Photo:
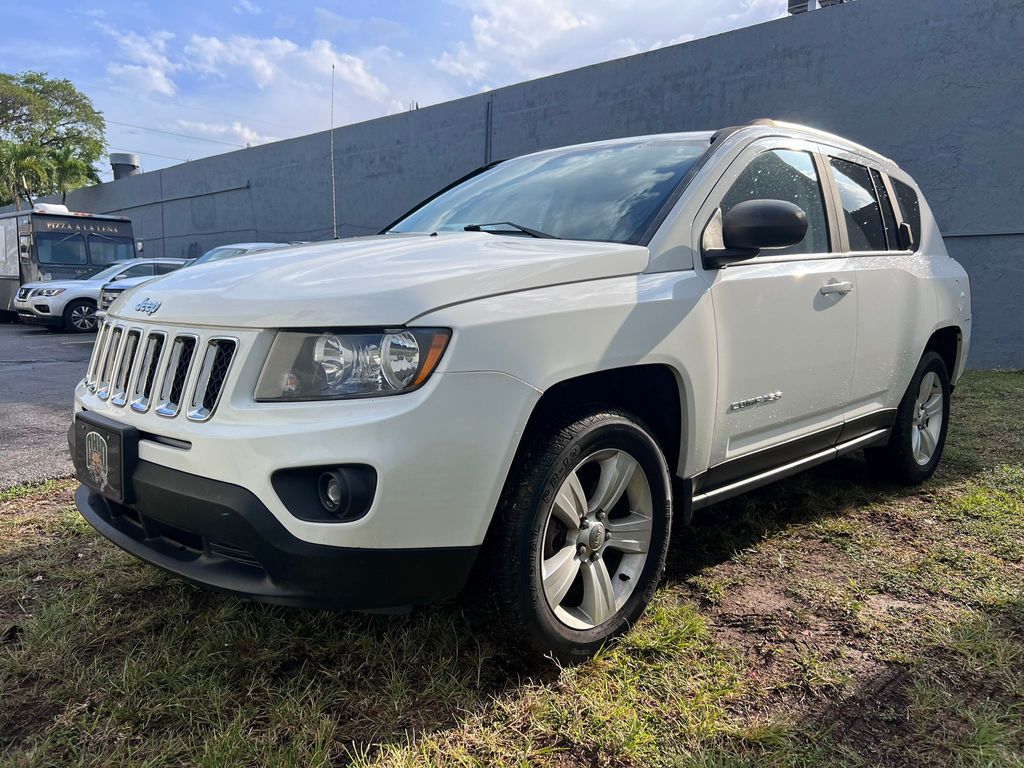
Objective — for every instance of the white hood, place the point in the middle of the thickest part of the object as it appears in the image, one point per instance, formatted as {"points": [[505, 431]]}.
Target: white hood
{"points": [[373, 281]]}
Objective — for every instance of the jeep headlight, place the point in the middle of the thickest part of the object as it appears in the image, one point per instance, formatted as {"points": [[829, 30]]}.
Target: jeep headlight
{"points": [[328, 365], [48, 291]]}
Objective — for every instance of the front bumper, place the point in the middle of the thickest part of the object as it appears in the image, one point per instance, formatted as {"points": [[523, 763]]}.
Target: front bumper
{"points": [[220, 536], [30, 311]]}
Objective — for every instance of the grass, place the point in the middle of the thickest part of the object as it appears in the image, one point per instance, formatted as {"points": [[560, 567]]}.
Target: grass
{"points": [[828, 620]]}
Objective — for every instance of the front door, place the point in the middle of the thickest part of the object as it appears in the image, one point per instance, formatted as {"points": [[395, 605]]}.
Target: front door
{"points": [[786, 324]]}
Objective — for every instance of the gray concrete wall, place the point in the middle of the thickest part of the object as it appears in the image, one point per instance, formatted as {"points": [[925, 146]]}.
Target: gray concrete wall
{"points": [[938, 85]]}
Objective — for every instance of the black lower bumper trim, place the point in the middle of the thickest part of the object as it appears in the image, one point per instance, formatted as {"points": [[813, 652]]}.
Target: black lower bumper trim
{"points": [[222, 537]]}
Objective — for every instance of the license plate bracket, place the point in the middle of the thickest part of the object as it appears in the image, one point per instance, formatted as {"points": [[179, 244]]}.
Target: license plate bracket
{"points": [[105, 455]]}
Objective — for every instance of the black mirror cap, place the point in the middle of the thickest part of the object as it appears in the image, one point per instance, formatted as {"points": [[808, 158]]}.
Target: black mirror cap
{"points": [[757, 224]]}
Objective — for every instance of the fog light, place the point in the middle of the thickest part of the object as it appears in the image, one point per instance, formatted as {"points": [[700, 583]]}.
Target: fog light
{"points": [[334, 491], [331, 494]]}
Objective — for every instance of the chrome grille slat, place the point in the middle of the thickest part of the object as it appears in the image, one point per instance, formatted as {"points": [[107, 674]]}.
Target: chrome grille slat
{"points": [[97, 355], [110, 359], [149, 364], [179, 366], [213, 373], [125, 366]]}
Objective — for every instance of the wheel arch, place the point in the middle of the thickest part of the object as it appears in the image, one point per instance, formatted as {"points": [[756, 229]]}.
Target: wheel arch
{"points": [[655, 392], [948, 342]]}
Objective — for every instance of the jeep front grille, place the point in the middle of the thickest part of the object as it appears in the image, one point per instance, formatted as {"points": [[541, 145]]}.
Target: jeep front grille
{"points": [[177, 371]]}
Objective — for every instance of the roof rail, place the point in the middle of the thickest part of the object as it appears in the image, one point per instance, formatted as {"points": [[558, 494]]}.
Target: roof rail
{"points": [[773, 123]]}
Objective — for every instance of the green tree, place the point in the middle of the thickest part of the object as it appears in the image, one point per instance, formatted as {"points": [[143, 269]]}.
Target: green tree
{"points": [[24, 170], [50, 130], [69, 171]]}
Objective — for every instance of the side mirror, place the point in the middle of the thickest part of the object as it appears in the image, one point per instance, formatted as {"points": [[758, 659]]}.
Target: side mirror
{"points": [[749, 227], [139, 246]]}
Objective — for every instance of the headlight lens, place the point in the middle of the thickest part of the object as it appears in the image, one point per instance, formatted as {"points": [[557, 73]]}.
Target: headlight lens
{"points": [[49, 291], [328, 365]]}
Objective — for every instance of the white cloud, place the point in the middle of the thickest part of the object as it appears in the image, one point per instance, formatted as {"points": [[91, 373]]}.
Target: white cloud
{"points": [[234, 131], [511, 40], [148, 67], [247, 6], [260, 57], [268, 60]]}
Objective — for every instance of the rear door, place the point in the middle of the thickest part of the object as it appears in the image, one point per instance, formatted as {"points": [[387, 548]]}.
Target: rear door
{"points": [[891, 301], [786, 321]]}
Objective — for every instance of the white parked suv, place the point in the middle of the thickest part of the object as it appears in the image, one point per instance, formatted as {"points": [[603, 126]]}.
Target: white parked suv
{"points": [[527, 379]]}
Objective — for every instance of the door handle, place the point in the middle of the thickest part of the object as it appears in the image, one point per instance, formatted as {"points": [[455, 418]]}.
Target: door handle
{"points": [[835, 287]]}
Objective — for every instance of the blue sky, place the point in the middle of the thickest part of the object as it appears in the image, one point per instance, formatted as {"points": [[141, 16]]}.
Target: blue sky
{"points": [[225, 74]]}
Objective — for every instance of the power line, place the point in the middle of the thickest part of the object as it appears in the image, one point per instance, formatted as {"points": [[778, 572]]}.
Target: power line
{"points": [[179, 135], [172, 103]]}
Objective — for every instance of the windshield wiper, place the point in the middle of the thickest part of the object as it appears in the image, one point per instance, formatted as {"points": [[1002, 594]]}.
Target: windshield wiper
{"points": [[513, 225]]}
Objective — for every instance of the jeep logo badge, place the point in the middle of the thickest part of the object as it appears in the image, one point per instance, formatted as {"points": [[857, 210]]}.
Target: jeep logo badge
{"points": [[148, 305]]}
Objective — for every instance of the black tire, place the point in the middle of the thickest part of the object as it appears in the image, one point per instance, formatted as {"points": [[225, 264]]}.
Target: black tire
{"points": [[897, 461], [74, 312], [517, 543]]}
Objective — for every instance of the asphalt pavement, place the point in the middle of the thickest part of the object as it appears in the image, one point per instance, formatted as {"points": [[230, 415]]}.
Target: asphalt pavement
{"points": [[38, 373]]}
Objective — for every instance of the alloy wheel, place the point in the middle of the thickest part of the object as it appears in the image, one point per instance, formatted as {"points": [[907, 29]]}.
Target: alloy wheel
{"points": [[83, 317], [927, 419], [596, 539]]}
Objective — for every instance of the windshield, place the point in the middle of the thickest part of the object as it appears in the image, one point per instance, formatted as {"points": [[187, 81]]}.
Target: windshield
{"points": [[219, 253], [107, 250], [101, 272], [609, 193]]}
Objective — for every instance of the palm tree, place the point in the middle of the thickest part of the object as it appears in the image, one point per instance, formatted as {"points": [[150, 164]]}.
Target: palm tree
{"points": [[27, 168], [68, 171], [8, 176]]}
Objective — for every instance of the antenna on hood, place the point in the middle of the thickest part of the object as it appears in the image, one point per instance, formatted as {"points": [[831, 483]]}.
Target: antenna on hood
{"points": [[334, 185]]}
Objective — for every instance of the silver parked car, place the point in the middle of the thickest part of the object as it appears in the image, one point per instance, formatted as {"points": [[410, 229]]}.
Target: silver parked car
{"points": [[113, 290], [71, 303]]}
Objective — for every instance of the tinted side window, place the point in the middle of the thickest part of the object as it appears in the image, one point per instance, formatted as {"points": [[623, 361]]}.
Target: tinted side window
{"points": [[783, 174], [59, 248], [139, 270], [163, 269], [910, 207], [863, 215]]}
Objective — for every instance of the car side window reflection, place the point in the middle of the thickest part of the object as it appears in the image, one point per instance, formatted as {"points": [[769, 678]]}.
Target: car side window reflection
{"points": [[790, 175]]}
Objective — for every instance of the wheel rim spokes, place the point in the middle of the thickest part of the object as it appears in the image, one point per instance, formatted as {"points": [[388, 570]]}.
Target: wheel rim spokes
{"points": [[81, 317], [570, 505], [616, 472], [559, 572], [599, 599], [603, 507], [630, 534], [927, 419]]}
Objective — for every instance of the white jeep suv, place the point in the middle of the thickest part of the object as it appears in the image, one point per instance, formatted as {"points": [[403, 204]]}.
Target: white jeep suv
{"points": [[526, 379]]}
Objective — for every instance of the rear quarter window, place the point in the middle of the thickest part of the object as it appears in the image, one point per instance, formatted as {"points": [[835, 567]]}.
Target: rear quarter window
{"points": [[910, 206]]}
